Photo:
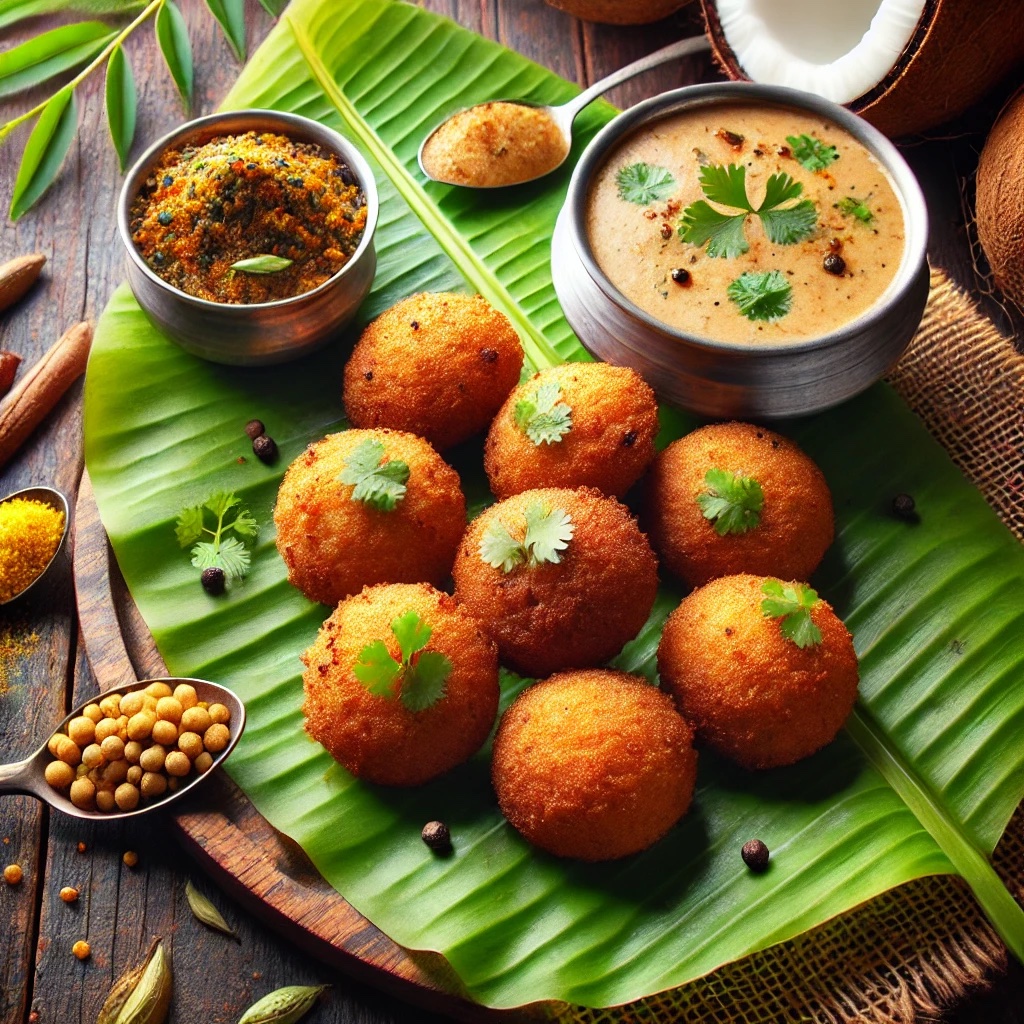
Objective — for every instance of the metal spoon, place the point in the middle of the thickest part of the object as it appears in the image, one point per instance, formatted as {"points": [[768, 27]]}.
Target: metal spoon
{"points": [[27, 776], [564, 115], [56, 500]]}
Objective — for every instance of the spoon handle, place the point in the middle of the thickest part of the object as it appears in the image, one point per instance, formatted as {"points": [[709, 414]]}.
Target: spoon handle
{"points": [[17, 777], [681, 48]]}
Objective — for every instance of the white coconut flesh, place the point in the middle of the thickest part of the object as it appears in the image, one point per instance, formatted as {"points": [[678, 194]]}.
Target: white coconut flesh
{"points": [[839, 49]]}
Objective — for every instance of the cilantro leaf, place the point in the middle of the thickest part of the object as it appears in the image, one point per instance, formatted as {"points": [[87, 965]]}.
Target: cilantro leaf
{"points": [[850, 206], [789, 225], [722, 231], [547, 532], [732, 502], [411, 633], [244, 525], [792, 603], [542, 417], [763, 295], [189, 526], [812, 153], [230, 555], [380, 485], [376, 669], [424, 685], [726, 185], [780, 188], [219, 503], [644, 184]]}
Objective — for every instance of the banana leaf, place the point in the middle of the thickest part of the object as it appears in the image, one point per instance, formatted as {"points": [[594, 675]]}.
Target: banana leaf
{"points": [[922, 781]]}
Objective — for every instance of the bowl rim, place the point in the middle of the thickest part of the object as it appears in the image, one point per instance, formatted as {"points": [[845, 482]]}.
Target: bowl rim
{"points": [[906, 187], [255, 118]]}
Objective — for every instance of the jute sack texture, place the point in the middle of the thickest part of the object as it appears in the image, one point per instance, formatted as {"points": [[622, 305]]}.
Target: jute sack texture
{"points": [[903, 956]]}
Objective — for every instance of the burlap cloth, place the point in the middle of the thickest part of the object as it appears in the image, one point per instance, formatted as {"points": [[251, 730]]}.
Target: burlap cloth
{"points": [[903, 956]]}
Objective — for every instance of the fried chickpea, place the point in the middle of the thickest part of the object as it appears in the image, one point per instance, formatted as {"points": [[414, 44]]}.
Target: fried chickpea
{"points": [[132, 703], [132, 751], [92, 756], [159, 690], [153, 784], [169, 710], [53, 743], [165, 733], [126, 796], [104, 800], [152, 758], [219, 714], [191, 744], [216, 738], [185, 694], [92, 712], [59, 775], [108, 727], [13, 874], [113, 748], [68, 751], [134, 775], [111, 705], [115, 773], [81, 950], [122, 728], [82, 730], [69, 894], [203, 763], [140, 726], [83, 794], [177, 763], [196, 720]]}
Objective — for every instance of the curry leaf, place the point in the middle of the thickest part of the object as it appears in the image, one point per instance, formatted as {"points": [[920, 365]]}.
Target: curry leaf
{"points": [[121, 103], [230, 15], [45, 150], [51, 53], [172, 35]]}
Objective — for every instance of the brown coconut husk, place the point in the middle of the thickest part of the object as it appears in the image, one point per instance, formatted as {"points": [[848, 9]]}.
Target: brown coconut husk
{"points": [[619, 12], [1000, 200], [960, 49]]}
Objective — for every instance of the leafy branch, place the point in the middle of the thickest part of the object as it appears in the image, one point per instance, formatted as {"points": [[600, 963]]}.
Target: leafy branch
{"points": [[89, 46]]}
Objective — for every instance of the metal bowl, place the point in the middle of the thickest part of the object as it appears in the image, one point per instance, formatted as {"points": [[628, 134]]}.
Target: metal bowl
{"points": [[258, 333], [729, 380]]}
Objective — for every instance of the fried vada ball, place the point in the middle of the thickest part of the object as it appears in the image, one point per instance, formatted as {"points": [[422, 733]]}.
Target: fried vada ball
{"points": [[437, 364], [610, 442], [748, 691], [576, 612], [796, 525], [378, 738], [334, 545], [593, 764]]}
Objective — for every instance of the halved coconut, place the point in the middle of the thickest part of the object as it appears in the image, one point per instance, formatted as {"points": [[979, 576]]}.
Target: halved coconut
{"points": [[619, 12], [905, 65]]}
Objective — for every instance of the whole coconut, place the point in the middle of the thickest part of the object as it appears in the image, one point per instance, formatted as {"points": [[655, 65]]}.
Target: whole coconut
{"points": [[1000, 203], [619, 12]]}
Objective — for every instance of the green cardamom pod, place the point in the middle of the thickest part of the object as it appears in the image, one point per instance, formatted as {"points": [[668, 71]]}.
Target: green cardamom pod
{"points": [[283, 1005], [206, 912], [142, 995]]}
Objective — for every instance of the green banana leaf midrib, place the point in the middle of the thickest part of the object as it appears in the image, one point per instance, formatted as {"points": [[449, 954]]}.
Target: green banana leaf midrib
{"points": [[928, 809], [539, 349]]}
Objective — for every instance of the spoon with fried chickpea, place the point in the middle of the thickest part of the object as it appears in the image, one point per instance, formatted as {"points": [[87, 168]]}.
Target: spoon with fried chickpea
{"points": [[182, 765], [510, 142]]}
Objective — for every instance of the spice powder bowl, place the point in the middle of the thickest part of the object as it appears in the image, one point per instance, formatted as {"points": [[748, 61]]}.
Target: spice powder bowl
{"points": [[258, 333], [734, 380]]}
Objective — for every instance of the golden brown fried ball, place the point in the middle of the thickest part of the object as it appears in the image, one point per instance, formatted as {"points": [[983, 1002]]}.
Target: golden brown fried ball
{"points": [[576, 612], [377, 737], [614, 419], [437, 364], [593, 764], [796, 524], [335, 545], [750, 692]]}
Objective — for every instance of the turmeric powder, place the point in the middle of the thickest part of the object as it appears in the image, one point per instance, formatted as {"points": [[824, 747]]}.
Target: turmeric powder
{"points": [[30, 533]]}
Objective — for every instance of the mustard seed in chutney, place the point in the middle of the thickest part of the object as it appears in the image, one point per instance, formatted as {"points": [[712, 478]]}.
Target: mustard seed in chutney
{"points": [[238, 197]]}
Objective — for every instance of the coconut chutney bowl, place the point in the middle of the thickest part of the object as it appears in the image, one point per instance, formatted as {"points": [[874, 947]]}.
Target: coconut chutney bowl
{"points": [[263, 332], [770, 366]]}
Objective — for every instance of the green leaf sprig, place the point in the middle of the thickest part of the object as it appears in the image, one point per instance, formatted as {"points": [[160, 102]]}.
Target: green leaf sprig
{"points": [[850, 206], [378, 483], [547, 533], [85, 47], [812, 153], [644, 184], [762, 295], [723, 233], [542, 416], [731, 501], [223, 551], [420, 676], [262, 264], [792, 603]]}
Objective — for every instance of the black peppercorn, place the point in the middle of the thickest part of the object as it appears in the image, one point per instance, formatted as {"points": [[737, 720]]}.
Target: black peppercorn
{"points": [[264, 449], [213, 580], [834, 264], [681, 276], [903, 507], [254, 428], [415, 325], [755, 855], [436, 835]]}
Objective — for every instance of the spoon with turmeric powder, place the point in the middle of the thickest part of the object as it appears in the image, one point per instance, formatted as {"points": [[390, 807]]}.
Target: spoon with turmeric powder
{"points": [[511, 142], [33, 528]]}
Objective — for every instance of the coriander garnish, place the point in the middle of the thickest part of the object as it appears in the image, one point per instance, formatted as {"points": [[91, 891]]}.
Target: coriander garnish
{"points": [[644, 184], [792, 603], [420, 674], [850, 206], [731, 501], [724, 232], [542, 417], [548, 531], [379, 484], [762, 295], [263, 264], [222, 552], [812, 153]]}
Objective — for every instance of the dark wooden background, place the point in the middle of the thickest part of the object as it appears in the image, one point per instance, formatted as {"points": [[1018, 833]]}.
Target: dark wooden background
{"points": [[121, 908]]}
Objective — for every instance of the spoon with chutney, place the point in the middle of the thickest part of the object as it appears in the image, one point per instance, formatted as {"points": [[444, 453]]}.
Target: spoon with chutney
{"points": [[511, 142]]}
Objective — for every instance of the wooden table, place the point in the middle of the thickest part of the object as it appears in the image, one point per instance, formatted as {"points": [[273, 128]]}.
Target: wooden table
{"points": [[42, 668]]}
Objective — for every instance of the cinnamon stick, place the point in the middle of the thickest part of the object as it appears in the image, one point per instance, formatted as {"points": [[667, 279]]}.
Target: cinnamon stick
{"points": [[40, 389], [9, 363], [17, 276]]}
